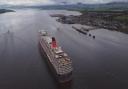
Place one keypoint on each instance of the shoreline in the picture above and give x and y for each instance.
(107, 20)
(2, 11)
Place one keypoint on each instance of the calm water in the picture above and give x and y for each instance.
(100, 63)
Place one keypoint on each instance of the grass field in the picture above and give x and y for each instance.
(123, 18)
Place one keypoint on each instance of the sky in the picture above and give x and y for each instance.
(45, 2)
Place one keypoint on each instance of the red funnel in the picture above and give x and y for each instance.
(54, 45)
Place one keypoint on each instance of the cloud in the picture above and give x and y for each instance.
(18, 2)
(53, 1)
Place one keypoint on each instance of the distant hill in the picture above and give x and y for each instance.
(80, 6)
(118, 3)
(115, 6)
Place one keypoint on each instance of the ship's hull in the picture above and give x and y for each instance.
(60, 78)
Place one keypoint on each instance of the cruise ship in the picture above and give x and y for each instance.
(58, 60)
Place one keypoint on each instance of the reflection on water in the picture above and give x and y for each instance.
(65, 86)
(99, 63)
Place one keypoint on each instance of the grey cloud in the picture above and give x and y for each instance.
(55, 1)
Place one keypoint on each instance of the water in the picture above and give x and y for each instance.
(100, 63)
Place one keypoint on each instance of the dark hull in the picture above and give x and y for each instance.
(57, 77)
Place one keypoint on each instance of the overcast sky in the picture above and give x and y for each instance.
(53, 1)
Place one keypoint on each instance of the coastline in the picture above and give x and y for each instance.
(111, 20)
(5, 11)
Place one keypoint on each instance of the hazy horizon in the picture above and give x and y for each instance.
(50, 2)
